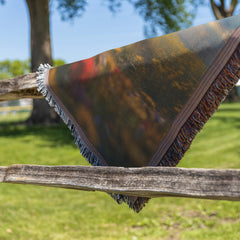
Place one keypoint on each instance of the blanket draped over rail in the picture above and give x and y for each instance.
(143, 104)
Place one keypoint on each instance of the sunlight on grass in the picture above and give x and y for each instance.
(33, 212)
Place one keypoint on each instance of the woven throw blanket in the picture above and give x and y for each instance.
(143, 104)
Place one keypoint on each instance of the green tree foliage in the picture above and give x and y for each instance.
(164, 15)
(9, 69)
(58, 62)
(71, 8)
(13, 68)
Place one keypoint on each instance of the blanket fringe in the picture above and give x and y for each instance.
(217, 92)
(42, 88)
(137, 205)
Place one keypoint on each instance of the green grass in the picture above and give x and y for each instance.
(33, 212)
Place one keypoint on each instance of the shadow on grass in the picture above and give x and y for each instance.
(56, 135)
(59, 135)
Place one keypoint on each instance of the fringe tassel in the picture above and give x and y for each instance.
(217, 92)
(137, 206)
(42, 88)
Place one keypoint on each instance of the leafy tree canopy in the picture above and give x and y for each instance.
(165, 15)
(9, 69)
(13, 68)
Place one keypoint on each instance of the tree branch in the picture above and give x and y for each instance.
(233, 6)
(216, 10)
(145, 182)
(220, 11)
(223, 4)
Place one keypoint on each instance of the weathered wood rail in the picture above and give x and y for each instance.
(147, 181)
(24, 86)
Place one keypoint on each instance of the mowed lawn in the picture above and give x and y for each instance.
(34, 212)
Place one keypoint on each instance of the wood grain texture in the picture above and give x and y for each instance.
(24, 86)
(146, 182)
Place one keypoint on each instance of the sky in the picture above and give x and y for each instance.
(96, 31)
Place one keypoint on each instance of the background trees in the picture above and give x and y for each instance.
(9, 69)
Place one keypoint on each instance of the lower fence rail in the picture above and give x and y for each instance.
(143, 182)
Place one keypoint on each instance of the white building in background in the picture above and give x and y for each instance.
(26, 102)
(238, 83)
(20, 102)
(238, 87)
(15, 106)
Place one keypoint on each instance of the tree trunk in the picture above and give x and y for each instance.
(40, 53)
